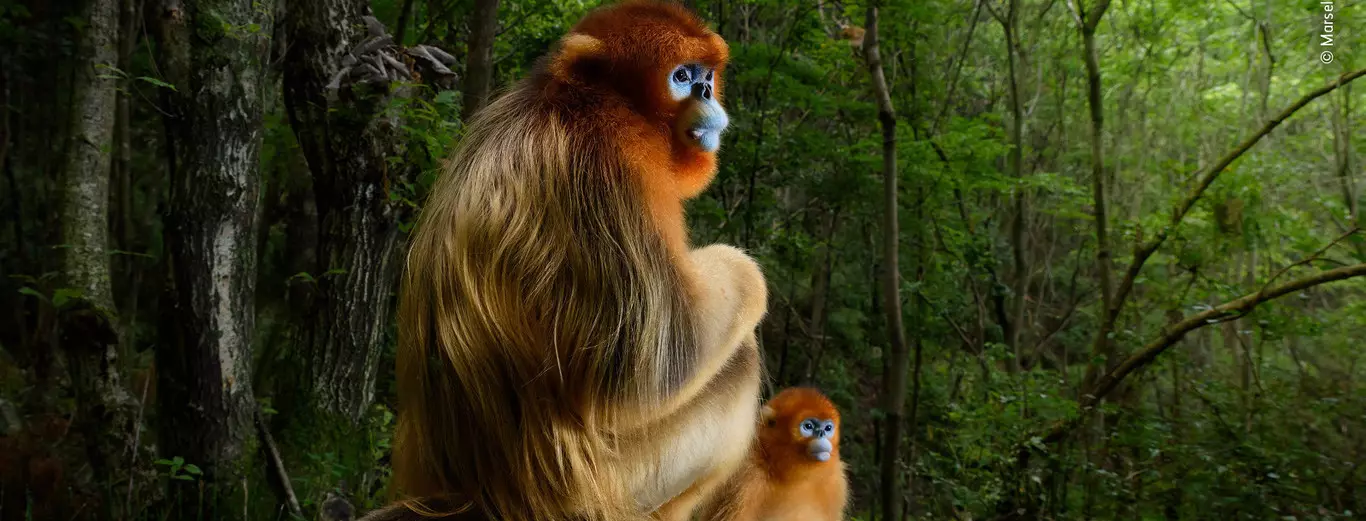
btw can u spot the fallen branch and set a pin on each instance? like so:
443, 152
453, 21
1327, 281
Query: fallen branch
277, 466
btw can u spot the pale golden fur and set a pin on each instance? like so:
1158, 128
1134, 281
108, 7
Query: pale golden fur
561, 356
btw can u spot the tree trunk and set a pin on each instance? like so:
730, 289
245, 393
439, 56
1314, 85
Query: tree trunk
1101, 347
479, 64
1016, 322
894, 380
1342, 162
85, 201
820, 279
215, 53
347, 138
122, 223
87, 319
820, 292
401, 28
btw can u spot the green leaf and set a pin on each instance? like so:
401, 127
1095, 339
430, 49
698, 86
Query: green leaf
33, 292
193, 469
64, 295
446, 97
156, 82
182, 477
164, 462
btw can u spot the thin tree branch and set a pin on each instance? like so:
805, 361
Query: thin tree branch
1093, 17
1146, 250
1175, 332
957, 64
277, 466
1312, 257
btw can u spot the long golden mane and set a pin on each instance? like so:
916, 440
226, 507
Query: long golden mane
535, 271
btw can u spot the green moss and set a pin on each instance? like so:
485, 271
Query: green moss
211, 27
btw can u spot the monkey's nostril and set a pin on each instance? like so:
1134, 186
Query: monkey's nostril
701, 90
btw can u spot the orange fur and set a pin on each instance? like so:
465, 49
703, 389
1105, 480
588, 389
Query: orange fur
642, 41
782, 481
563, 353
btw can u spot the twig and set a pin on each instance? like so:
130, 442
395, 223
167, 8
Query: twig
957, 64
1247, 355
1175, 332
962, 334
277, 466
1312, 257
133, 449
1204, 180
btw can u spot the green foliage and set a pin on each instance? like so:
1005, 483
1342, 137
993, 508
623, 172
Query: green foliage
178, 469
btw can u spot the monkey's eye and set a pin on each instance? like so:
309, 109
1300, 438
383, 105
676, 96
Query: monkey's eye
808, 428
829, 428
709, 73
682, 75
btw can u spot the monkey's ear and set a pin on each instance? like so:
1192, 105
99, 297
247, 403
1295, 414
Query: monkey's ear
575, 49
766, 414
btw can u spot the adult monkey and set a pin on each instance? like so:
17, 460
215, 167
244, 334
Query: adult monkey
563, 353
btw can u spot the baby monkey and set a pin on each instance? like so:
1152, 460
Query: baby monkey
794, 472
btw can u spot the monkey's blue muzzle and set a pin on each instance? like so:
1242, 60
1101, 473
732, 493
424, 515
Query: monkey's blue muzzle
706, 123
820, 449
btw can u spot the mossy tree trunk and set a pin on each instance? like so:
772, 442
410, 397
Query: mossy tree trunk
350, 127
347, 138
86, 318
215, 54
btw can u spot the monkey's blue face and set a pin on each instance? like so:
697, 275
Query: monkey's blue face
819, 432
702, 119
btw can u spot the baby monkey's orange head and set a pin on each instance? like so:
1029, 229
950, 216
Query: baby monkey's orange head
800, 425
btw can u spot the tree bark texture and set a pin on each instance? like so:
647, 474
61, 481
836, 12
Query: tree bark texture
1102, 346
1015, 324
215, 53
105, 410
347, 136
479, 65
894, 392
85, 201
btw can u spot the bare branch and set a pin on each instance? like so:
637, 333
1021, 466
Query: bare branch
1074, 7
1312, 257
1143, 252
277, 466
1093, 17
1175, 332
992, 10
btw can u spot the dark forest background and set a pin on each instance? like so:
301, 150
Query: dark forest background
1053, 259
